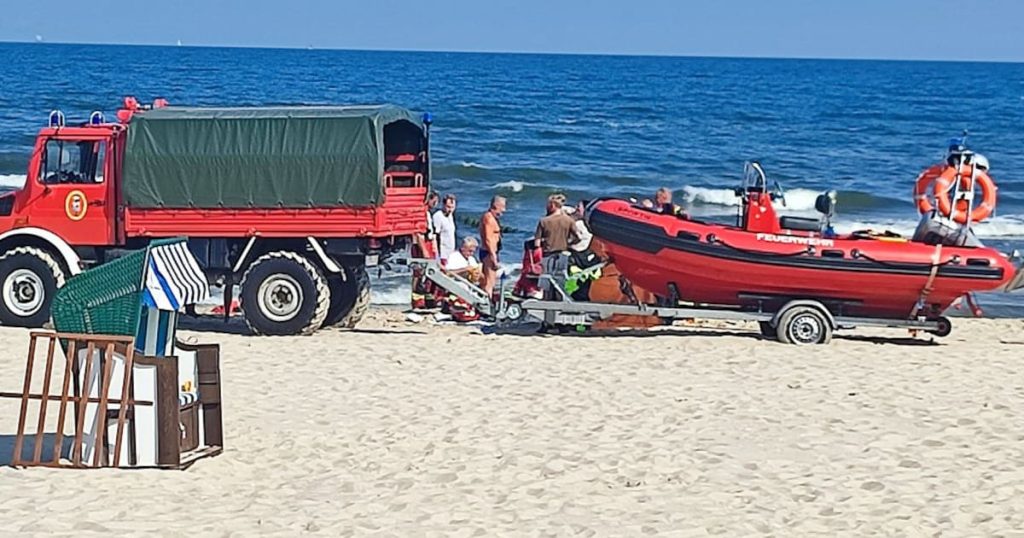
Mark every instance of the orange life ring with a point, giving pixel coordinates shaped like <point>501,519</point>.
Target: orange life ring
<point>922,188</point>
<point>988,194</point>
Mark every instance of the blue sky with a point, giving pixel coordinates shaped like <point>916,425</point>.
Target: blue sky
<point>898,29</point>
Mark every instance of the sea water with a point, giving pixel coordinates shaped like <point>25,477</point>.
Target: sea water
<point>524,125</point>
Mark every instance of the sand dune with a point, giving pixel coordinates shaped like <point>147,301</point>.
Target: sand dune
<point>415,430</point>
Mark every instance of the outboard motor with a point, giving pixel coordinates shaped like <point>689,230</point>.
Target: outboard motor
<point>934,230</point>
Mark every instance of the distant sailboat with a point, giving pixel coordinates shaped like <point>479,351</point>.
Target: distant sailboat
<point>179,42</point>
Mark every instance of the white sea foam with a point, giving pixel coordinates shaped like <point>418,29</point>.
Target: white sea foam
<point>12,180</point>
<point>471,164</point>
<point>1010,226</point>
<point>395,294</point>
<point>796,199</point>
<point>512,185</point>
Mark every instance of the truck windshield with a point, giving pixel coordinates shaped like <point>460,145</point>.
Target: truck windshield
<point>73,162</point>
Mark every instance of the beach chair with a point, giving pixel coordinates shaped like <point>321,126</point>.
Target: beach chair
<point>141,398</point>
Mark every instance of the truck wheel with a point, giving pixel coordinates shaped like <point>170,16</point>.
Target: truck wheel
<point>283,294</point>
<point>29,278</point>
<point>350,298</point>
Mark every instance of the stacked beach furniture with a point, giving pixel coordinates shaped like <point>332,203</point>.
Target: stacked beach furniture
<point>130,393</point>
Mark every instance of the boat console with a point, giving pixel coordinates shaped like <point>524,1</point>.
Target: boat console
<point>757,212</point>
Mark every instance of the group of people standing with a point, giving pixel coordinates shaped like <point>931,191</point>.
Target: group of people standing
<point>462,256</point>
<point>440,242</point>
<point>561,230</point>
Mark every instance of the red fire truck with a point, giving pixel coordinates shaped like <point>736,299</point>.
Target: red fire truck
<point>292,204</point>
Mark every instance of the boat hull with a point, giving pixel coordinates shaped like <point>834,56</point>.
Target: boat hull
<point>722,265</point>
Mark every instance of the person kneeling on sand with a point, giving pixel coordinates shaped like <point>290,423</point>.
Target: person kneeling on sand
<point>463,261</point>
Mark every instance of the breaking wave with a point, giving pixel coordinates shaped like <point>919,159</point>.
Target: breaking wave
<point>516,186</point>
<point>513,185</point>
<point>796,199</point>
<point>15,181</point>
<point>1003,227</point>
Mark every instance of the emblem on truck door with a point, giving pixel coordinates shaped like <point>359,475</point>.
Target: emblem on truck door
<point>75,205</point>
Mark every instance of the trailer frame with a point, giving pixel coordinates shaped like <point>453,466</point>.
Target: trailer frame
<point>799,321</point>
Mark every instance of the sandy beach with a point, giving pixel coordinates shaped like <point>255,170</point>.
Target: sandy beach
<point>413,429</point>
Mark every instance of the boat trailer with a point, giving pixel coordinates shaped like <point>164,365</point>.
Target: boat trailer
<point>798,321</point>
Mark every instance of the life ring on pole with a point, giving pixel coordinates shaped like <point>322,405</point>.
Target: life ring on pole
<point>922,188</point>
<point>959,214</point>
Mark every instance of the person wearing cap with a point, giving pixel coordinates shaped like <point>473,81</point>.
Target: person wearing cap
<point>556,232</point>
<point>582,231</point>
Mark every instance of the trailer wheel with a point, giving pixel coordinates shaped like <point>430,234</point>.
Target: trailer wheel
<point>283,294</point>
<point>29,278</point>
<point>514,312</point>
<point>945,327</point>
<point>804,325</point>
<point>350,298</point>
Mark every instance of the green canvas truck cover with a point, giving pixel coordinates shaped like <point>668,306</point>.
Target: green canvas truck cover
<point>268,157</point>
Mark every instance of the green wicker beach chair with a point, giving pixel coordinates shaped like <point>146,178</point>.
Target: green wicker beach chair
<point>139,296</point>
<point>136,295</point>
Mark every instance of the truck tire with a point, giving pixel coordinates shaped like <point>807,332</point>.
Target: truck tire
<point>284,294</point>
<point>29,278</point>
<point>350,298</point>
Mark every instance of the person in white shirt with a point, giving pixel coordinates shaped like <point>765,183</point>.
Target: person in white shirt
<point>464,259</point>
<point>444,227</point>
<point>582,232</point>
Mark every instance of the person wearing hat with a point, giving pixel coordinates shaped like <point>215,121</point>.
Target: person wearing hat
<point>556,232</point>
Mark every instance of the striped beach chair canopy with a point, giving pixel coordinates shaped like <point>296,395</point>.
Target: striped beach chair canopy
<point>112,298</point>
<point>173,278</point>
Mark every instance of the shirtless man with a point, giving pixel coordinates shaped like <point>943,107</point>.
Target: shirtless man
<point>490,244</point>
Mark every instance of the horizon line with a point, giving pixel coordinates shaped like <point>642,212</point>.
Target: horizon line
<point>512,53</point>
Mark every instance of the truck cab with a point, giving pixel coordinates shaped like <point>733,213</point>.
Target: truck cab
<point>70,188</point>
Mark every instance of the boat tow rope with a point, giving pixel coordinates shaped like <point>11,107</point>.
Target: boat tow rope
<point>927,289</point>
<point>808,250</point>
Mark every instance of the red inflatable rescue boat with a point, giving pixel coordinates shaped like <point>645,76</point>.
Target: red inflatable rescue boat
<point>765,261</point>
